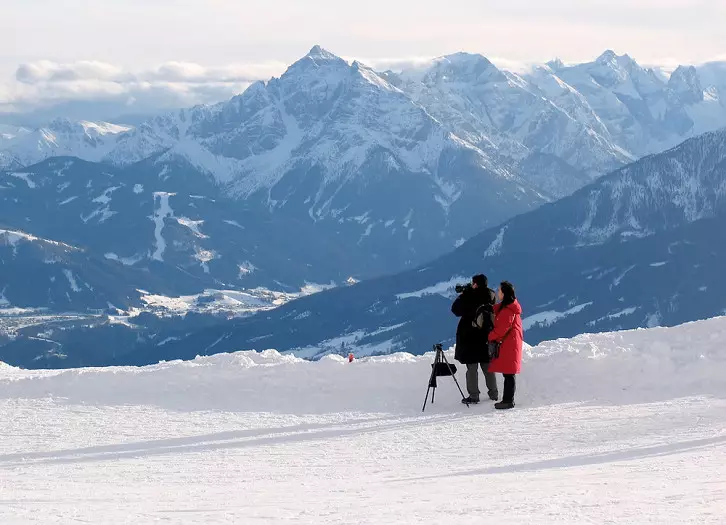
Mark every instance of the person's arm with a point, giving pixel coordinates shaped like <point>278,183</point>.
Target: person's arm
<point>460,306</point>
<point>502,324</point>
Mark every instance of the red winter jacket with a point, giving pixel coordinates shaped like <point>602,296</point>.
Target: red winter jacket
<point>510,353</point>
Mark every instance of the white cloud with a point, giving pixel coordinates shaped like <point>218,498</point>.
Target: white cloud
<point>46,83</point>
<point>46,71</point>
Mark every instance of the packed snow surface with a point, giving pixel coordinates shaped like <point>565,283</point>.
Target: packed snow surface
<point>612,428</point>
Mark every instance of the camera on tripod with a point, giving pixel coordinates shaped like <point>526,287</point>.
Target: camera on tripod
<point>440,368</point>
<point>461,288</point>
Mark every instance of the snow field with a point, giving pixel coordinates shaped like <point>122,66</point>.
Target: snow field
<point>609,428</point>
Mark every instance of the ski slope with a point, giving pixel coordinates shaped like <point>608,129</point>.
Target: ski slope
<point>611,428</point>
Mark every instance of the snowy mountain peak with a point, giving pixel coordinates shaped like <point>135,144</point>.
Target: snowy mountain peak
<point>468,60</point>
<point>318,53</point>
<point>103,128</point>
<point>318,57</point>
<point>83,127</point>
<point>611,70</point>
<point>318,68</point>
<point>464,67</point>
<point>365,74</point>
<point>685,83</point>
<point>63,126</point>
<point>627,61</point>
<point>555,64</point>
<point>608,57</point>
<point>253,90</point>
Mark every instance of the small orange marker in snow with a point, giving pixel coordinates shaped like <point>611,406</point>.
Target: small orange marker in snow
<point>350,358</point>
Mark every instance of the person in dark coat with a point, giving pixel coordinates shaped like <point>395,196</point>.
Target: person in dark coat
<point>507,331</point>
<point>471,342</point>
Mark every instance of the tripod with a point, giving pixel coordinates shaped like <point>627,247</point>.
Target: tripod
<point>440,368</point>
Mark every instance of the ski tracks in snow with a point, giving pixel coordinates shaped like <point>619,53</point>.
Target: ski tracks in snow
<point>574,463</point>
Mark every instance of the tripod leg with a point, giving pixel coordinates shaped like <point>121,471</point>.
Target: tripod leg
<point>453,376</point>
<point>426,399</point>
<point>431,382</point>
<point>437,362</point>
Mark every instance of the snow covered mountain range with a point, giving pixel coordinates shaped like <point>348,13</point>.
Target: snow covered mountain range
<point>334,171</point>
<point>326,173</point>
<point>512,117</point>
<point>572,122</point>
<point>643,246</point>
<point>91,141</point>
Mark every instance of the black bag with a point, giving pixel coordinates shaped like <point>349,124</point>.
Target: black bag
<point>493,348</point>
<point>444,370</point>
<point>484,318</point>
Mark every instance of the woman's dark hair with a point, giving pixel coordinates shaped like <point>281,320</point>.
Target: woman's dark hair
<point>509,296</point>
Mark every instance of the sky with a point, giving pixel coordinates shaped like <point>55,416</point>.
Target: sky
<point>137,55</point>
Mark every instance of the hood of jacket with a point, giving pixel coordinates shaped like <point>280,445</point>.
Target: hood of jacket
<point>515,307</point>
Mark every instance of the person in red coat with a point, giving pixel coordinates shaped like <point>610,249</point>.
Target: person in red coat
<point>507,331</point>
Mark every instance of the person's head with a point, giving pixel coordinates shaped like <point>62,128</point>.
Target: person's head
<point>506,293</point>
<point>480,281</point>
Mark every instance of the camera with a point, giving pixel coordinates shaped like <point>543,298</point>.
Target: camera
<point>461,288</point>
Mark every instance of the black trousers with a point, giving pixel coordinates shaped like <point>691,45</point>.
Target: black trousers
<point>510,386</point>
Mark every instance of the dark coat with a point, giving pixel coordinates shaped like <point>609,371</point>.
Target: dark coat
<point>508,330</point>
<point>471,342</point>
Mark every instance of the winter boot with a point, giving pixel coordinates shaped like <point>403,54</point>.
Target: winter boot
<point>494,396</point>
<point>470,400</point>
<point>504,405</point>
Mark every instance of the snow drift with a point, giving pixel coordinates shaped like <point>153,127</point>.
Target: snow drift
<point>611,368</point>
